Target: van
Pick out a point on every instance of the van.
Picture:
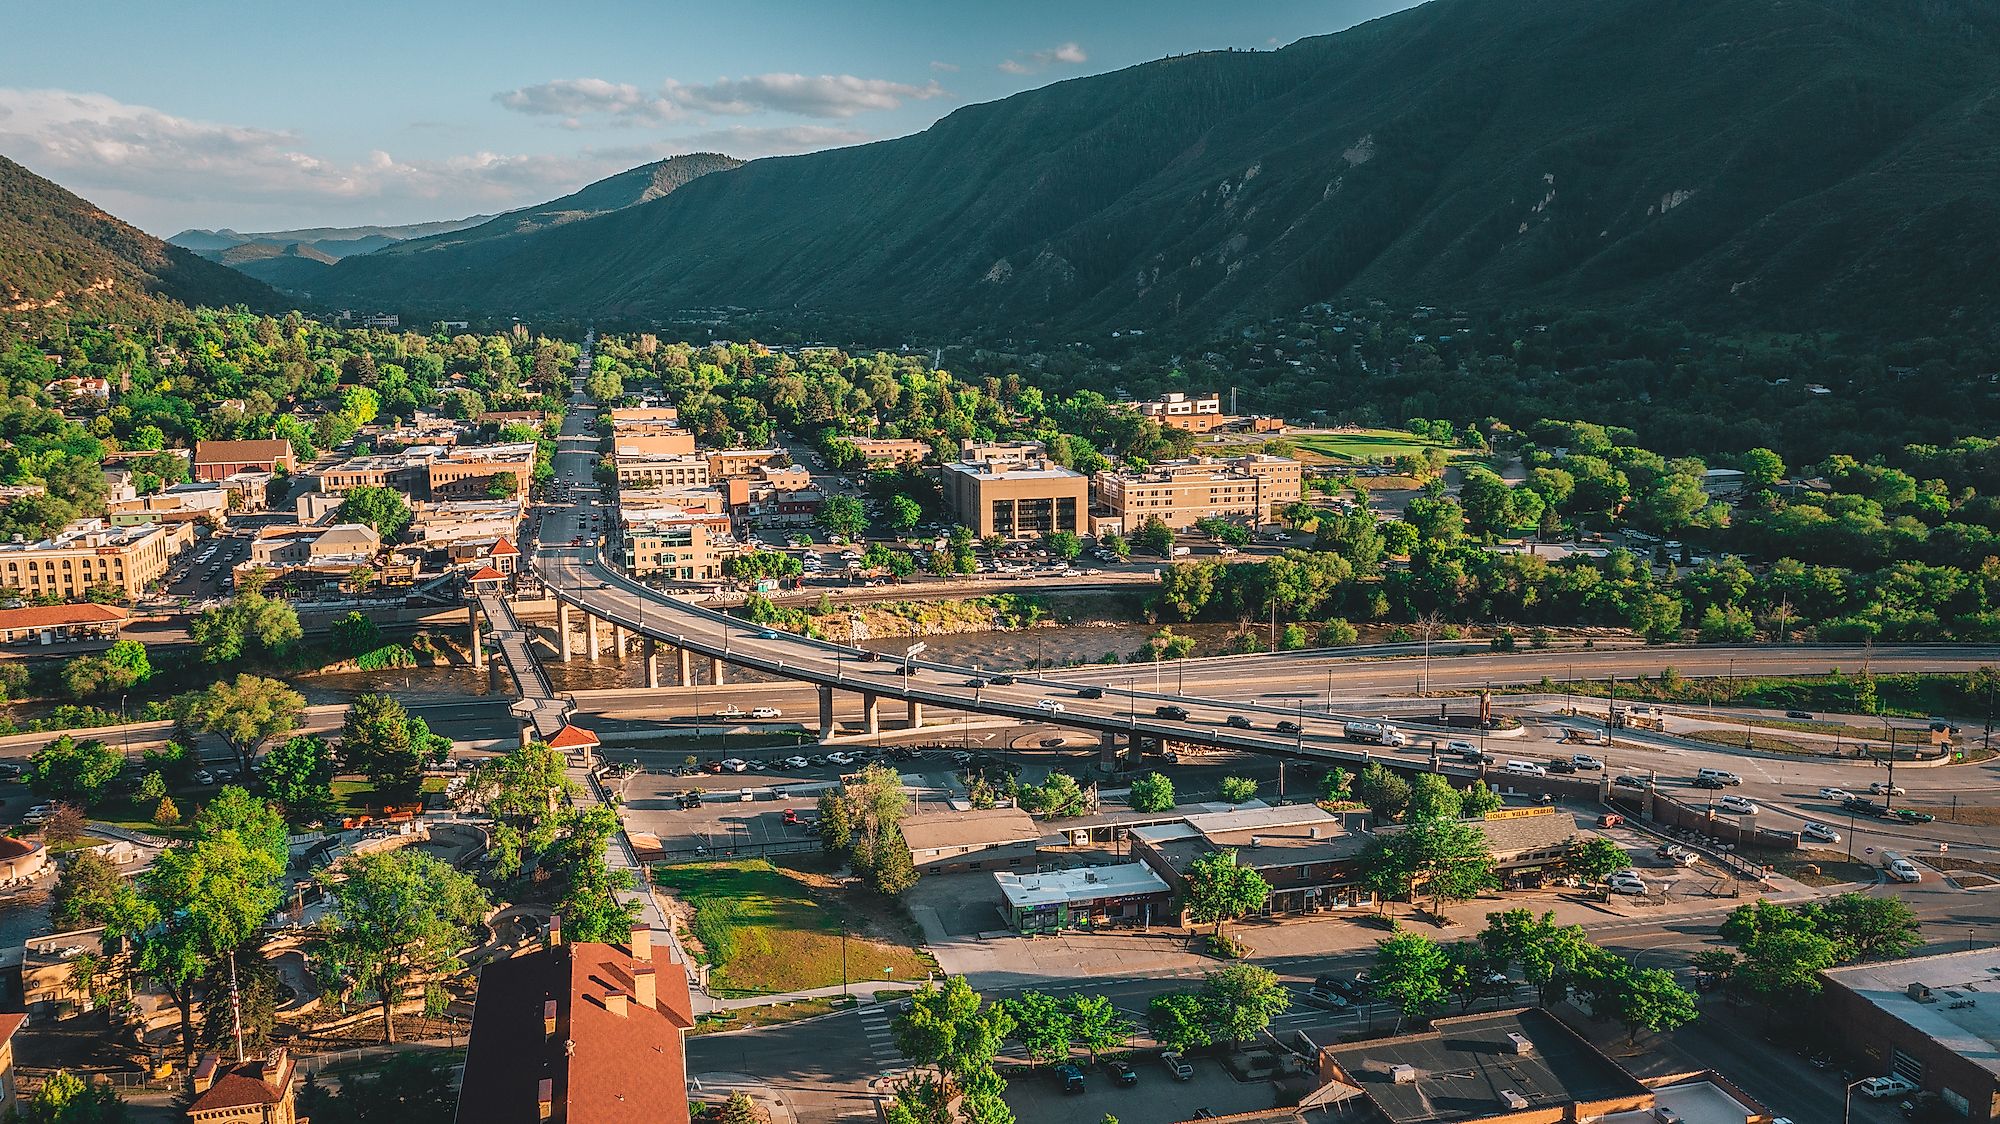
(1723, 775)
(1900, 868)
(1527, 769)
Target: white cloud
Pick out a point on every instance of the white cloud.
(801, 95)
(944, 67)
(164, 171)
(1068, 54)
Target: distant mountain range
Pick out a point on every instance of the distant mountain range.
(1777, 164)
(331, 242)
(60, 256)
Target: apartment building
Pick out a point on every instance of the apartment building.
(1016, 498)
(92, 552)
(674, 544)
(889, 452)
(650, 470)
(1248, 489)
(215, 460)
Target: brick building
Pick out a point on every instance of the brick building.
(1930, 1019)
(217, 460)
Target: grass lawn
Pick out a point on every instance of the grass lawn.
(1734, 739)
(1367, 445)
(1814, 868)
(126, 812)
(766, 929)
(772, 1015)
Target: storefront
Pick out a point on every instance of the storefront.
(1128, 895)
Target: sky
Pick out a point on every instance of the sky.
(264, 116)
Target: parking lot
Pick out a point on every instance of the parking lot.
(1156, 1099)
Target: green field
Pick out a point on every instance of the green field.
(766, 929)
(1366, 445)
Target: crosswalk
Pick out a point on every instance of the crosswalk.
(881, 1041)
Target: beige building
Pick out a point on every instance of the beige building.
(469, 473)
(1250, 489)
(1001, 452)
(90, 553)
(668, 442)
(1016, 499)
(190, 504)
(724, 463)
(675, 544)
(695, 500)
(638, 414)
(1181, 411)
(657, 471)
(342, 543)
(888, 452)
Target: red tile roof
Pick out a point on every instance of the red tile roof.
(9, 1023)
(601, 1067)
(257, 1082)
(487, 574)
(241, 452)
(572, 737)
(505, 547)
(56, 616)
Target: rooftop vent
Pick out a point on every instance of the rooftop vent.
(1514, 1100)
(1521, 1044)
(1666, 1115)
(1315, 833)
(1403, 1074)
(1921, 993)
(1090, 876)
(1256, 841)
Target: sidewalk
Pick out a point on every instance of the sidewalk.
(863, 991)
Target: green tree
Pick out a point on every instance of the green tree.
(67, 769)
(89, 890)
(248, 625)
(949, 1028)
(1336, 785)
(390, 746)
(1152, 793)
(1058, 796)
(843, 516)
(1219, 889)
(381, 508)
(1385, 793)
(1154, 537)
(740, 1109)
(1469, 974)
(591, 896)
(1762, 468)
(1237, 790)
(1479, 800)
(1240, 1001)
(1650, 999)
(1063, 544)
(66, 1098)
(248, 711)
(1410, 973)
(395, 918)
(1433, 798)
(410, 1088)
(1595, 858)
(1550, 955)
(904, 512)
(1096, 1025)
(524, 790)
(1178, 1020)
(1042, 1025)
(355, 633)
(298, 776)
(1862, 927)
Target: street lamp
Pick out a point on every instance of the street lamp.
(1847, 1099)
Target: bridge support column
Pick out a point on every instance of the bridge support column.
(1107, 750)
(478, 648)
(590, 628)
(684, 673)
(618, 641)
(916, 714)
(871, 712)
(562, 629)
(652, 650)
(715, 673)
(826, 723)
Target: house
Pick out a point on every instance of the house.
(1308, 855)
(256, 1091)
(578, 1033)
(982, 839)
(1928, 1019)
(218, 460)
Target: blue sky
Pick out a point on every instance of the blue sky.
(267, 115)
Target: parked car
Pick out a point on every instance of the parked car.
(841, 759)
(795, 763)
(1070, 1077)
(1884, 788)
(1837, 795)
(1121, 1072)
(1176, 713)
(1819, 833)
(1741, 805)
(1178, 1069)
(1327, 997)
(792, 818)
(736, 765)
(1626, 882)
(1881, 1088)
(1236, 722)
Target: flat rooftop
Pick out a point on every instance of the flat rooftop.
(1465, 1069)
(1695, 1102)
(1960, 1010)
(1058, 887)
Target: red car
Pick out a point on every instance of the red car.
(792, 817)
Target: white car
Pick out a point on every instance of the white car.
(1585, 761)
(1819, 833)
(1742, 806)
(1883, 1087)
(1626, 882)
(842, 759)
(795, 763)
(1836, 795)
(1053, 706)
(767, 712)
(1460, 747)
(736, 765)
(1884, 788)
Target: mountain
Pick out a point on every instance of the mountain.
(1765, 162)
(335, 242)
(298, 266)
(629, 188)
(60, 254)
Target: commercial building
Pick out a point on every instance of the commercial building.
(675, 544)
(702, 499)
(582, 1033)
(441, 524)
(724, 463)
(1308, 855)
(624, 415)
(1931, 1019)
(982, 839)
(1528, 845)
(185, 503)
(45, 624)
(1016, 499)
(1086, 897)
(1519, 1066)
(90, 553)
(1249, 489)
(403, 471)
(470, 473)
(647, 470)
(257, 1091)
(1184, 411)
(670, 442)
(1002, 452)
(888, 452)
(349, 544)
(216, 460)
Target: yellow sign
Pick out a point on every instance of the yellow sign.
(1518, 813)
